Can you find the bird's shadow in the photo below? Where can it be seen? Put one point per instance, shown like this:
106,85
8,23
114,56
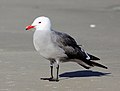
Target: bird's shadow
83,73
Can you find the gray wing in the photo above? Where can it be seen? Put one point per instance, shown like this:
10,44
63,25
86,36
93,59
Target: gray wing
74,51
69,45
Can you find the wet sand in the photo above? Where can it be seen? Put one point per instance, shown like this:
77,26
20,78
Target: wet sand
21,67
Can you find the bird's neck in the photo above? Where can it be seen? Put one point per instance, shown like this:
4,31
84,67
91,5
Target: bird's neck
42,34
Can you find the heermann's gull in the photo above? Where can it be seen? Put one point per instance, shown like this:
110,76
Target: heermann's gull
59,47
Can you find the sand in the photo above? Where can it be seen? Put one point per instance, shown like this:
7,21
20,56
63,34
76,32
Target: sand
93,23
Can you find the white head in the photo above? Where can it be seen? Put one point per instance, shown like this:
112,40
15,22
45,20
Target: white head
40,23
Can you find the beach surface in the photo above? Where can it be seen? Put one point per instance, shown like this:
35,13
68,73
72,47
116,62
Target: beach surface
95,24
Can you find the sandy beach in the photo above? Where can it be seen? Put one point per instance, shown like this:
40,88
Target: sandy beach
95,24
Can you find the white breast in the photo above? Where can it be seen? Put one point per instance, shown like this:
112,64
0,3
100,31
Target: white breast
44,45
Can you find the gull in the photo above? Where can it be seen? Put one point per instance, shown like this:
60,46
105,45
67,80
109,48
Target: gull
59,47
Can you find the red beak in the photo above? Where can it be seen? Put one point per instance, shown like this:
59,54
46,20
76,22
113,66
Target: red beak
29,27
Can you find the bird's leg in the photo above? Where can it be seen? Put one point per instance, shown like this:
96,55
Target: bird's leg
57,78
51,66
57,61
51,78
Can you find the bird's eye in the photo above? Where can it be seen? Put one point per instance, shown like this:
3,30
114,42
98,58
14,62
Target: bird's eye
39,22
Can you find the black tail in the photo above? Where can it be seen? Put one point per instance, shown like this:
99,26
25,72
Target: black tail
98,64
88,64
93,57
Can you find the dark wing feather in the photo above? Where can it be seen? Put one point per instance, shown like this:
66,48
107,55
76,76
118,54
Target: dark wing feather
69,45
74,51
93,57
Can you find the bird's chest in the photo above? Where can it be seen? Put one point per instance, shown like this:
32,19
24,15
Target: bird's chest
44,45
